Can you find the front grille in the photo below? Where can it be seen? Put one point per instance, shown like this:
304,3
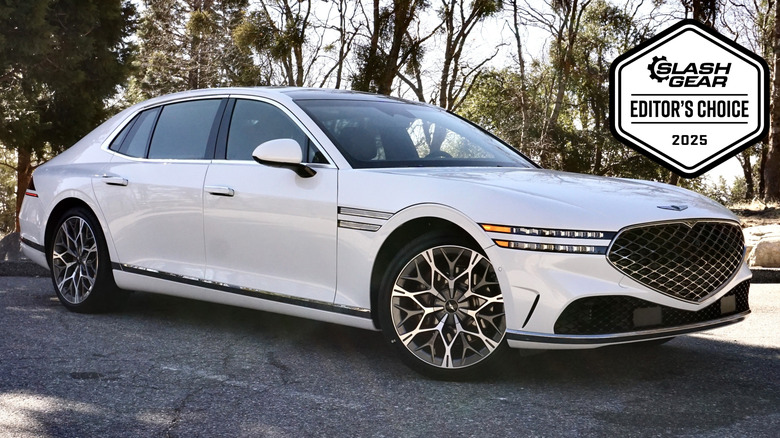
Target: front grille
685,260
620,314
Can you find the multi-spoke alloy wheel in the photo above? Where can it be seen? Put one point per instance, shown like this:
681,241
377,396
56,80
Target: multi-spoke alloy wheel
75,260
80,266
446,309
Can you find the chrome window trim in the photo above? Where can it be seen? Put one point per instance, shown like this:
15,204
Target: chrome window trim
294,118
110,138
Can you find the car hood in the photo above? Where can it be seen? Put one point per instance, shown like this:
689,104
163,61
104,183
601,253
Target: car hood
538,197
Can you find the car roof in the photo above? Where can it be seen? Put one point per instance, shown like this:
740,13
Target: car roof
283,93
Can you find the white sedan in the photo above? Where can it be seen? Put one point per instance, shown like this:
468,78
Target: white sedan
382,214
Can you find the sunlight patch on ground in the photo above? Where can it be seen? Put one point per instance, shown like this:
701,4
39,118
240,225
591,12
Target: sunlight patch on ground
25,415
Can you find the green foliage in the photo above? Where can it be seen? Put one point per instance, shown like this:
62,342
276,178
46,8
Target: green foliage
61,60
724,193
7,191
392,46
187,44
517,107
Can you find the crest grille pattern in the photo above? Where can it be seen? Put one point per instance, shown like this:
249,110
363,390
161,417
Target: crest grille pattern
689,261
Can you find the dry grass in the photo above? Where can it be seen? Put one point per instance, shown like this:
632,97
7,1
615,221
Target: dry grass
757,213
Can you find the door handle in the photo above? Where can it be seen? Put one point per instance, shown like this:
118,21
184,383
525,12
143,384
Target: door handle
220,190
114,180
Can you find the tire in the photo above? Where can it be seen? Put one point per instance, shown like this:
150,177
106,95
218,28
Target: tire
444,323
80,265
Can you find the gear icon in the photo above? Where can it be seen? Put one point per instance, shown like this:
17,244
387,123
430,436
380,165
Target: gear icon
651,67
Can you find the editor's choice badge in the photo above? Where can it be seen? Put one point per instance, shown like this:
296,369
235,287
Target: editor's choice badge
689,98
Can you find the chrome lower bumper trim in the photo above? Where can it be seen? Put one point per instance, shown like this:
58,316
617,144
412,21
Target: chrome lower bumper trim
544,338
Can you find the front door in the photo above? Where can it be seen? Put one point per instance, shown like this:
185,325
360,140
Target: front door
266,228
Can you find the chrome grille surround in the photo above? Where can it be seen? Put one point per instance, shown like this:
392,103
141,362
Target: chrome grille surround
688,259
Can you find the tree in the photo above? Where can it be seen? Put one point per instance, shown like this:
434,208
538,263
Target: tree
60,61
280,31
772,164
187,44
346,38
390,45
458,18
562,19
516,105
704,11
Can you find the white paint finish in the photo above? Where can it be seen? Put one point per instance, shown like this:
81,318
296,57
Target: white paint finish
277,233
156,221
359,249
281,150
561,279
35,255
527,197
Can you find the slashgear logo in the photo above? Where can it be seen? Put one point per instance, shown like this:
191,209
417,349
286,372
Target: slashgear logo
689,98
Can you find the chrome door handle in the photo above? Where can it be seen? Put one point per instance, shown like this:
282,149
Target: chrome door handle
220,190
114,180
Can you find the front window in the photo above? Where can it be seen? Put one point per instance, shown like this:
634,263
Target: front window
255,122
398,134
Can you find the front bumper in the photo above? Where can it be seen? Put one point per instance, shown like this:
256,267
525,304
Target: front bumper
522,339
558,301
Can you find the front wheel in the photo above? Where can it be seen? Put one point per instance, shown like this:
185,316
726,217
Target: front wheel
80,265
442,308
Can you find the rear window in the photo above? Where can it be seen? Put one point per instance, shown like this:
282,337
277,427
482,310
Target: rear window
183,130
134,138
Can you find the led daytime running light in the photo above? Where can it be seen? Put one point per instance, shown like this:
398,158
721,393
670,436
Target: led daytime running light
552,247
547,232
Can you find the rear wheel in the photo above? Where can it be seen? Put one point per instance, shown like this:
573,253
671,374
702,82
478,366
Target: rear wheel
442,308
80,265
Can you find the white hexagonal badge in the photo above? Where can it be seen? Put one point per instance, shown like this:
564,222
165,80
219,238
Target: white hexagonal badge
689,98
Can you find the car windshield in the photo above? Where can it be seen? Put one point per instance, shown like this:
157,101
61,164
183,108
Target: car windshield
398,134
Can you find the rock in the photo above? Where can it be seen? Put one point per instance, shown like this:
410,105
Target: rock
754,235
766,253
11,247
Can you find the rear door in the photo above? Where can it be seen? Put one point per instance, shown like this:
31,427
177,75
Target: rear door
152,192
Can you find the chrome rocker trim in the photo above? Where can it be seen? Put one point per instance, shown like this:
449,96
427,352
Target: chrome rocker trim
244,291
544,338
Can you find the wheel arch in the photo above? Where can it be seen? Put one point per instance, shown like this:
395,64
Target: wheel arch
56,213
413,223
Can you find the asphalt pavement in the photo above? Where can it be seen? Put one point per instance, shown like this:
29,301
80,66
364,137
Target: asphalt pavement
169,367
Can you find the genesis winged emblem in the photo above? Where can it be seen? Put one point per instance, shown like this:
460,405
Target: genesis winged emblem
680,207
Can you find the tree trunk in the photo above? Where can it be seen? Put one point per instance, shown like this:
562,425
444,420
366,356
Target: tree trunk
403,13
762,166
23,174
772,165
747,171
521,67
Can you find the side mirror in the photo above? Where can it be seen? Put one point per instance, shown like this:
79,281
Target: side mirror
285,153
